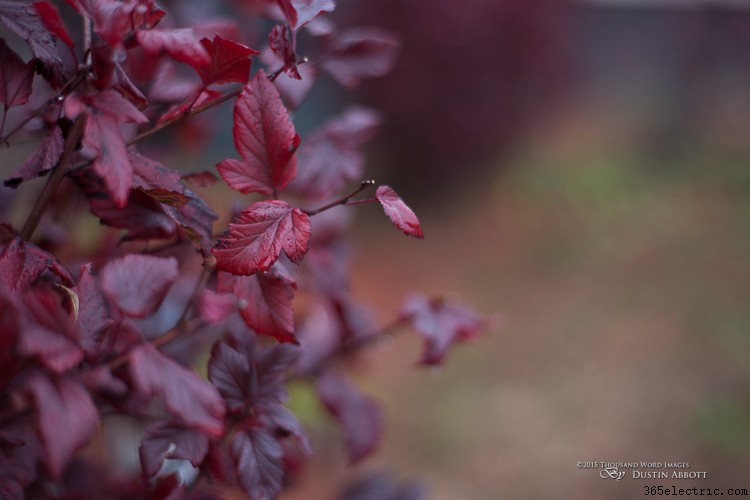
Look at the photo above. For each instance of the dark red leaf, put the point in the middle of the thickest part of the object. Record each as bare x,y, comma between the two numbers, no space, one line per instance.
272,366
22,19
264,138
442,324
103,137
137,284
22,263
267,307
399,213
50,16
360,417
282,41
230,61
42,160
285,424
49,332
258,461
94,315
357,54
164,441
258,235
191,400
112,20
229,371
66,419
127,88
180,44
331,158
15,77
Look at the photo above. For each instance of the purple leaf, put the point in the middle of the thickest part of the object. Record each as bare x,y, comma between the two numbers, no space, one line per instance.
331,158
282,42
360,417
137,284
66,419
164,441
442,324
191,400
94,315
264,138
361,53
258,461
229,371
399,213
42,160
257,236
22,19
15,77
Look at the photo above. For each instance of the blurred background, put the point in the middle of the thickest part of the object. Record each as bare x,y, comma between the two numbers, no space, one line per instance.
582,169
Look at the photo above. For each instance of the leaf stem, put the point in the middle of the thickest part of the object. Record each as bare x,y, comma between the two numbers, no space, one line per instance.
70,85
345,200
190,112
54,179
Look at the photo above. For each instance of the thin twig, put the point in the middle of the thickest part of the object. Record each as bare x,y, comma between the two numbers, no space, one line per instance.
70,85
343,201
54,179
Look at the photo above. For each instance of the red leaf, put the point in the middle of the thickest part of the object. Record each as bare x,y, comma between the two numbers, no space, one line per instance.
282,42
50,16
331,158
103,137
360,53
189,399
399,213
112,20
164,441
22,263
94,315
268,297
137,284
49,332
42,160
258,235
15,77
180,44
300,12
258,460
360,417
442,324
230,61
215,307
264,138
22,19
66,419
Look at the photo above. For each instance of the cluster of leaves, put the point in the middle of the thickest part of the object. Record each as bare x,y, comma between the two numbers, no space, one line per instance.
115,332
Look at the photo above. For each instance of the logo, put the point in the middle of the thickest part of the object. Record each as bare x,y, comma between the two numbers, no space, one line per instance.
611,473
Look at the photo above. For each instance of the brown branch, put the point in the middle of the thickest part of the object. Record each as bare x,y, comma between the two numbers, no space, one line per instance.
54,179
345,200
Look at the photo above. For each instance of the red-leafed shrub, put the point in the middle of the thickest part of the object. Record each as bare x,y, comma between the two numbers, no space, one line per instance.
121,328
